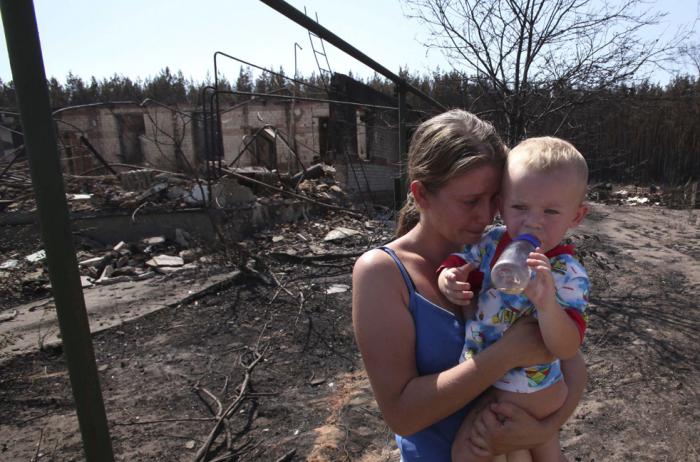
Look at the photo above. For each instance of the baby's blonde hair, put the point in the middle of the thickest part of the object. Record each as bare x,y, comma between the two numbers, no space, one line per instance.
547,153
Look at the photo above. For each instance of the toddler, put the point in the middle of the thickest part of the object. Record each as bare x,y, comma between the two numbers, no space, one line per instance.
543,193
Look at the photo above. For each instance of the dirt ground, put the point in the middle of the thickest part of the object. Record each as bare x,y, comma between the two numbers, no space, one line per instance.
280,357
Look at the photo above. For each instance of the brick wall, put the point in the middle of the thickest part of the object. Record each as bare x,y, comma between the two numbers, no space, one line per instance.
379,177
112,130
243,121
383,143
163,129
104,128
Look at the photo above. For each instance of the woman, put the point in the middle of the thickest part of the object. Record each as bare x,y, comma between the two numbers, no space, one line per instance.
410,336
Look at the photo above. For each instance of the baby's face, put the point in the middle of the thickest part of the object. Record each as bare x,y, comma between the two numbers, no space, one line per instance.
545,204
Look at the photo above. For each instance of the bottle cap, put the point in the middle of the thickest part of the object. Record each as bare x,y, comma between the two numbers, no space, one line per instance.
529,238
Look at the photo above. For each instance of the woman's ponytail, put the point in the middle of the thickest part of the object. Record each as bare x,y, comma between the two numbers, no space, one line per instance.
408,217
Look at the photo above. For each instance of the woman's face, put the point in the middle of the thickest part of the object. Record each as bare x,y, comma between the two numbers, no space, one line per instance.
462,208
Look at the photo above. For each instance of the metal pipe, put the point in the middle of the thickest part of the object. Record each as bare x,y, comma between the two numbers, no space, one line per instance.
293,121
18,152
304,98
219,128
28,73
246,144
205,124
97,154
295,80
300,18
295,59
207,142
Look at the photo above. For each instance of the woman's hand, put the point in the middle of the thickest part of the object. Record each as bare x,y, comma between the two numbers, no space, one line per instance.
501,428
523,345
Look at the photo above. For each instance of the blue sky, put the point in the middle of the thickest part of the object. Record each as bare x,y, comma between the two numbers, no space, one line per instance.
139,38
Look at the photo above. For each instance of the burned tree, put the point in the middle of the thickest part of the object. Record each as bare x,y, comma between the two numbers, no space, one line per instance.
692,53
520,50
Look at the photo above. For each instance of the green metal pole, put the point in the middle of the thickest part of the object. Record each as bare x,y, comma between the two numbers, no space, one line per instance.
27,65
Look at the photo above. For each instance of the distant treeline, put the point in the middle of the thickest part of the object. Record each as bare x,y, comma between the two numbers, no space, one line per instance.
639,133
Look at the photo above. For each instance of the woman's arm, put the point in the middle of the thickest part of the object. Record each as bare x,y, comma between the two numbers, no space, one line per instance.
385,335
504,427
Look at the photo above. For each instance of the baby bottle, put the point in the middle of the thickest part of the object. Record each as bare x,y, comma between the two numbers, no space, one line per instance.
511,274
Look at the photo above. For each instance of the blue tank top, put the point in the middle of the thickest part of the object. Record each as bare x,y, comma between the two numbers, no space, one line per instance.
439,342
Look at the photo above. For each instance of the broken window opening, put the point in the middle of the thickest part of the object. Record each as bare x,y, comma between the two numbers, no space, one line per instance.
130,127
263,150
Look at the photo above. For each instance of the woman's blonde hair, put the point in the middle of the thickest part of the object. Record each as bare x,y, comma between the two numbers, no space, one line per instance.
443,147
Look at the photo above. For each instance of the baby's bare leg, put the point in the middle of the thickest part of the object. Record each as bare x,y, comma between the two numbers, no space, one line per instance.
548,452
519,456
540,404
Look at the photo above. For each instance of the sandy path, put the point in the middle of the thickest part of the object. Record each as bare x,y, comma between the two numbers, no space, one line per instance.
641,347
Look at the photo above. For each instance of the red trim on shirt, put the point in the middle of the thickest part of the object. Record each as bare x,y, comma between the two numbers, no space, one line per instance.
475,280
453,261
578,320
561,250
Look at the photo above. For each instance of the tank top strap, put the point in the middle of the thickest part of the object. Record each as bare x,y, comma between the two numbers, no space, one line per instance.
406,277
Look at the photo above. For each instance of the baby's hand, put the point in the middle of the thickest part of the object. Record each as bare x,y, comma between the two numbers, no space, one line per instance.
453,284
541,289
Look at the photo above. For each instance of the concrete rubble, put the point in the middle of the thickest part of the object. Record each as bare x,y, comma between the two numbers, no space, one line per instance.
123,269
254,198
9,264
340,233
149,189
681,196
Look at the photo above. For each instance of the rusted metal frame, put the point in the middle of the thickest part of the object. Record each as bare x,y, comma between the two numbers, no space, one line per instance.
219,142
307,98
290,193
192,169
208,139
3,127
357,180
402,85
364,175
245,146
268,95
295,80
291,149
322,53
18,153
